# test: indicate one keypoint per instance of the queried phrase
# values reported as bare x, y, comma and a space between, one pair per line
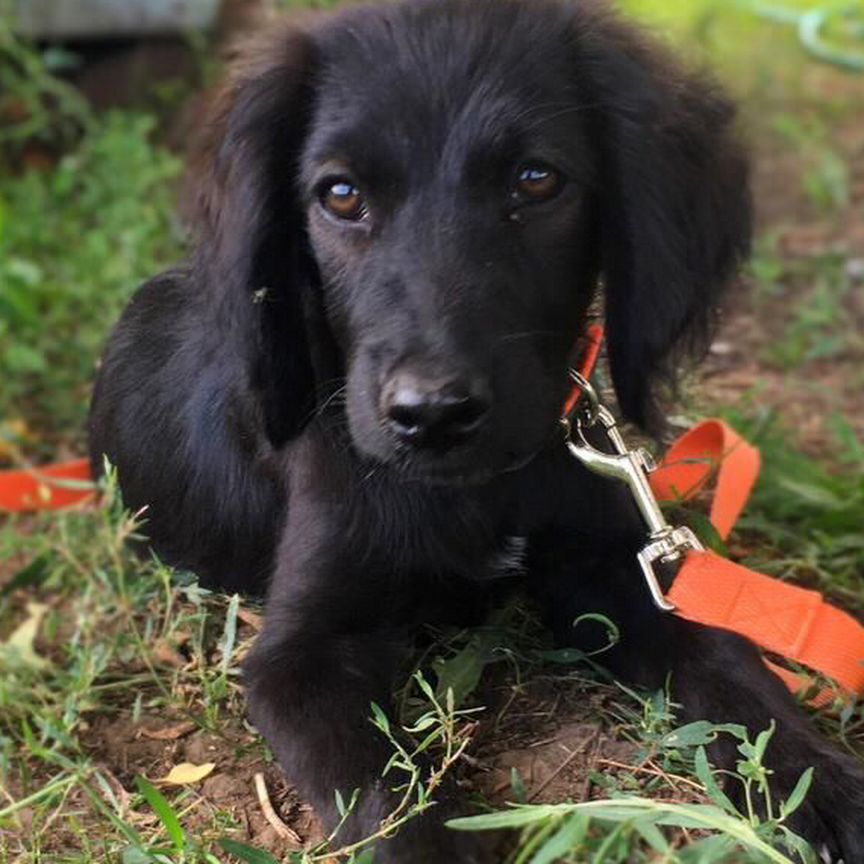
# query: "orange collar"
591, 354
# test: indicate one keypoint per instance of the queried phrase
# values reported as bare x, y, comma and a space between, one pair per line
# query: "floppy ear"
252, 258
674, 206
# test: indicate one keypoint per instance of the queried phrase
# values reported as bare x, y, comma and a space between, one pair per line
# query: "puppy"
350, 393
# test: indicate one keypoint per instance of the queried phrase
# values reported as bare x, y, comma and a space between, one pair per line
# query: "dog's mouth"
469, 468
461, 477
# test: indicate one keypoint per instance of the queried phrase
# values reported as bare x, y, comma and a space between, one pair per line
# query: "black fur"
244, 397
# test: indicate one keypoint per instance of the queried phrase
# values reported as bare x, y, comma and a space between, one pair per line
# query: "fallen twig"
270, 814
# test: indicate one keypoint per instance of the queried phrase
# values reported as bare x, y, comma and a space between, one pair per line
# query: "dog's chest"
508, 560
439, 533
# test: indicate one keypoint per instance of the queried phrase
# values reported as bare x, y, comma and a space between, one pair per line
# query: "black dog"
405, 214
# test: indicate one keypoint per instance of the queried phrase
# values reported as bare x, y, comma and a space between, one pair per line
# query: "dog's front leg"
332, 643
715, 675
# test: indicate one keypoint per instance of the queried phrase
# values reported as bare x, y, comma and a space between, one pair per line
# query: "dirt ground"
736, 363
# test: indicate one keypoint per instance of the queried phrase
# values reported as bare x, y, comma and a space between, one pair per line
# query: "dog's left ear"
674, 203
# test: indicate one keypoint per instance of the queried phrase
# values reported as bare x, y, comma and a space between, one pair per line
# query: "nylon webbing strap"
49, 487
785, 619
788, 620
711, 447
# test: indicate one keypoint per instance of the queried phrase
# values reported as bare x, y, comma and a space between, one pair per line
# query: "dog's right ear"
673, 199
252, 259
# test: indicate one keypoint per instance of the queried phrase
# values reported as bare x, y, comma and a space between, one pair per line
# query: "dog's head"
416, 202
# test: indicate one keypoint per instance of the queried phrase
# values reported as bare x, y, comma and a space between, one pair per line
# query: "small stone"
855, 269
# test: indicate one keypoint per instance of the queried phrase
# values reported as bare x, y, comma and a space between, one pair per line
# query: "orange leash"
49, 487
712, 448
787, 620
794, 623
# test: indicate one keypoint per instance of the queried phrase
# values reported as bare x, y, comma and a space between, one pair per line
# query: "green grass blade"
164, 811
247, 854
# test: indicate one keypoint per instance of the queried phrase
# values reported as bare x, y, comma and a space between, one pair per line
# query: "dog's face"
443, 181
447, 180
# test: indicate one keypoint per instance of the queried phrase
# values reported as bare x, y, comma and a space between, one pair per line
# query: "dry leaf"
13, 433
166, 654
19, 646
186, 772
169, 733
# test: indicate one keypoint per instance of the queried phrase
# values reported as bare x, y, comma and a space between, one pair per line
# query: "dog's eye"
343, 199
537, 182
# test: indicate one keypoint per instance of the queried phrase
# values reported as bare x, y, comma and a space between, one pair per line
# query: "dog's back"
172, 413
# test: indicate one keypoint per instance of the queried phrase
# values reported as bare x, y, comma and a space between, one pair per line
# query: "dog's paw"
427, 840
831, 818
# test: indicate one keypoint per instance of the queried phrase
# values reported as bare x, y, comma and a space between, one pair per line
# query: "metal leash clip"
666, 543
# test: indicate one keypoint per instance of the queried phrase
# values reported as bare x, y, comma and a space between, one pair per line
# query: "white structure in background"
70, 19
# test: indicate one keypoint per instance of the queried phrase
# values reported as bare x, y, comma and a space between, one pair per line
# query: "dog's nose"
434, 413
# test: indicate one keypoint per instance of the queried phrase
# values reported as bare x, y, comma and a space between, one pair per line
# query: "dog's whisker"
336, 397
370, 474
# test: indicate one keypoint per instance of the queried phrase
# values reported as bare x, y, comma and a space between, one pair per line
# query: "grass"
111, 635
74, 243
627, 828
116, 670
114, 637
805, 519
